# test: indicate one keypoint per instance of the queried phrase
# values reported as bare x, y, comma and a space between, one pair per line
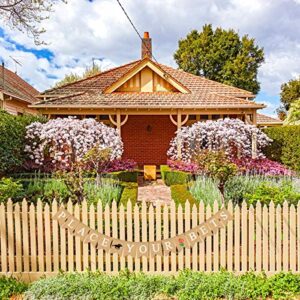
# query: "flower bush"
65, 141
230, 135
120, 165
216, 165
262, 166
183, 166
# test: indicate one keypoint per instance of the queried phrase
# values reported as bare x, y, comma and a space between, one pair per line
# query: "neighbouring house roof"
13, 85
199, 92
266, 120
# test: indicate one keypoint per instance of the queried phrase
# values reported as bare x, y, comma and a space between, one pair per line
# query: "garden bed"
119, 186
187, 285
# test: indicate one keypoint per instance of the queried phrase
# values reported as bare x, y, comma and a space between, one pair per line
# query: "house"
147, 102
16, 94
266, 121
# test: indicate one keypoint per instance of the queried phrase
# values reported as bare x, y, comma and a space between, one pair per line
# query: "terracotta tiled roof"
203, 93
263, 119
14, 86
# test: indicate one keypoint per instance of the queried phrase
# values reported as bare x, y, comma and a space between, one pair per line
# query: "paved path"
154, 192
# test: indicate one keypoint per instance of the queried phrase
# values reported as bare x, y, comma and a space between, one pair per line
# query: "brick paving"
154, 192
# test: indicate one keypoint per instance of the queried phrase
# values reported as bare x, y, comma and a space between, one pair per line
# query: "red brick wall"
146, 138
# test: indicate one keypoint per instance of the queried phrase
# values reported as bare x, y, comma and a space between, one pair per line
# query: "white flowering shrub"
62, 142
230, 135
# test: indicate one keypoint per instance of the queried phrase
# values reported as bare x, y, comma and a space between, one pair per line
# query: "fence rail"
259, 238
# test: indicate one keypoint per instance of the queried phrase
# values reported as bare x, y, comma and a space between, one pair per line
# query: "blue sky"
82, 30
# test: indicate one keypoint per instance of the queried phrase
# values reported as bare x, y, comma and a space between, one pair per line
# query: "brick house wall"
146, 138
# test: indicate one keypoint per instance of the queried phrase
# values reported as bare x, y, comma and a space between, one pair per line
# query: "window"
216, 117
192, 117
104, 117
203, 117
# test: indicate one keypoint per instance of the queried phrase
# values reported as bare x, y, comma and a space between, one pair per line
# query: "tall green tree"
290, 92
293, 116
72, 77
221, 55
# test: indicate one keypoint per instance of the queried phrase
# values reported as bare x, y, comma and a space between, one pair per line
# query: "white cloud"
81, 30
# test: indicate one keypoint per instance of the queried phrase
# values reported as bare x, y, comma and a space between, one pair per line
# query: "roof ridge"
89, 77
19, 87
16, 75
264, 115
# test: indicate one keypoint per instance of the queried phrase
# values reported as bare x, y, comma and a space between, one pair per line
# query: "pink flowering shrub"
120, 165
232, 136
183, 166
61, 142
262, 166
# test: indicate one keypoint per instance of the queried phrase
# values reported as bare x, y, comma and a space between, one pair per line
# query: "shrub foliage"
187, 285
285, 147
10, 288
12, 140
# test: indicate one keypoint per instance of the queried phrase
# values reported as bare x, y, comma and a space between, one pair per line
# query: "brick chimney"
146, 46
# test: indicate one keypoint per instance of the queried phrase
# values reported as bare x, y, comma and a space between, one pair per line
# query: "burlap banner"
138, 249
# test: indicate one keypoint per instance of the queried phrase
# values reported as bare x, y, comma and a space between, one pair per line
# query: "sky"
83, 30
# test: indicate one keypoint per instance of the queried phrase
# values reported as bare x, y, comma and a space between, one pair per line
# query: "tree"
61, 143
290, 92
27, 15
232, 136
221, 55
72, 77
293, 116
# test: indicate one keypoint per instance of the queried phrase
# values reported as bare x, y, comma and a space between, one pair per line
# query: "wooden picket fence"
259, 238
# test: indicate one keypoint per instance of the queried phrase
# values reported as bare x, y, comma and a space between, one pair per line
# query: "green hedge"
12, 140
285, 147
172, 177
130, 192
10, 287
180, 194
185, 286
124, 176
163, 170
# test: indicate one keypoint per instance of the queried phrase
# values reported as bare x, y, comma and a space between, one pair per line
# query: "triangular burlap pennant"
62, 213
168, 246
203, 231
92, 237
71, 224
129, 249
193, 236
82, 231
142, 249
155, 248
182, 242
117, 246
224, 216
214, 224
104, 242
62, 216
